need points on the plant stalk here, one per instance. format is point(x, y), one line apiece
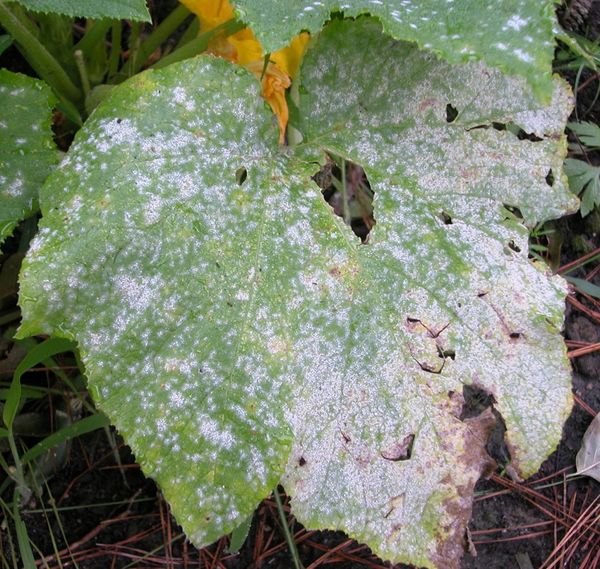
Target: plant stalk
point(286, 530)
point(162, 32)
point(199, 44)
point(190, 33)
point(345, 207)
point(115, 49)
point(85, 81)
point(95, 34)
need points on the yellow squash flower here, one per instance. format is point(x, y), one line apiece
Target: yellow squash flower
point(243, 48)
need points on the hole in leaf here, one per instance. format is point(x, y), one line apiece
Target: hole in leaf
point(446, 353)
point(240, 175)
point(301, 461)
point(550, 178)
point(451, 113)
point(347, 190)
point(512, 212)
point(445, 218)
point(402, 450)
point(477, 400)
point(514, 247)
point(432, 368)
point(522, 135)
point(515, 335)
point(511, 128)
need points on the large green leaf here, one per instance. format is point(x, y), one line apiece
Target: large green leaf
point(27, 152)
point(515, 35)
point(118, 9)
point(240, 334)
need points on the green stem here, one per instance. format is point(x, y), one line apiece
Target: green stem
point(95, 34)
point(38, 56)
point(286, 530)
point(162, 32)
point(190, 33)
point(199, 44)
point(21, 486)
point(115, 49)
point(345, 205)
point(294, 136)
point(85, 81)
point(134, 44)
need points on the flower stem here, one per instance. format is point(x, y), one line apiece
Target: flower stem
point(134, 44)
point(190, 33)
point(199, 44)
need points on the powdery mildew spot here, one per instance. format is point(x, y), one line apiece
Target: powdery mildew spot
point(238, 334)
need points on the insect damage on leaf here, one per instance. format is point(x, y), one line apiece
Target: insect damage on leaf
point(239, 334)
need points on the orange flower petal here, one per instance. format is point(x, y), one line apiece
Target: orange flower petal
point(288, 59)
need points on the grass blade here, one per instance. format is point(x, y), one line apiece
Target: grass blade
point(585, 286)
point(38, 354)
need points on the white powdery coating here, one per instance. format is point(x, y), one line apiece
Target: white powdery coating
point(252, 327)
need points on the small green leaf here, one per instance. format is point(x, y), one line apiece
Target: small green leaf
point(588, 133)
point(584, 180)
point(514, 35)
point(115, 9)
point(27, 152)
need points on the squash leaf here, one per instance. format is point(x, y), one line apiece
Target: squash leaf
point(27, 152)
point(117, 9)
point(238, 334)
point(514, 35)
